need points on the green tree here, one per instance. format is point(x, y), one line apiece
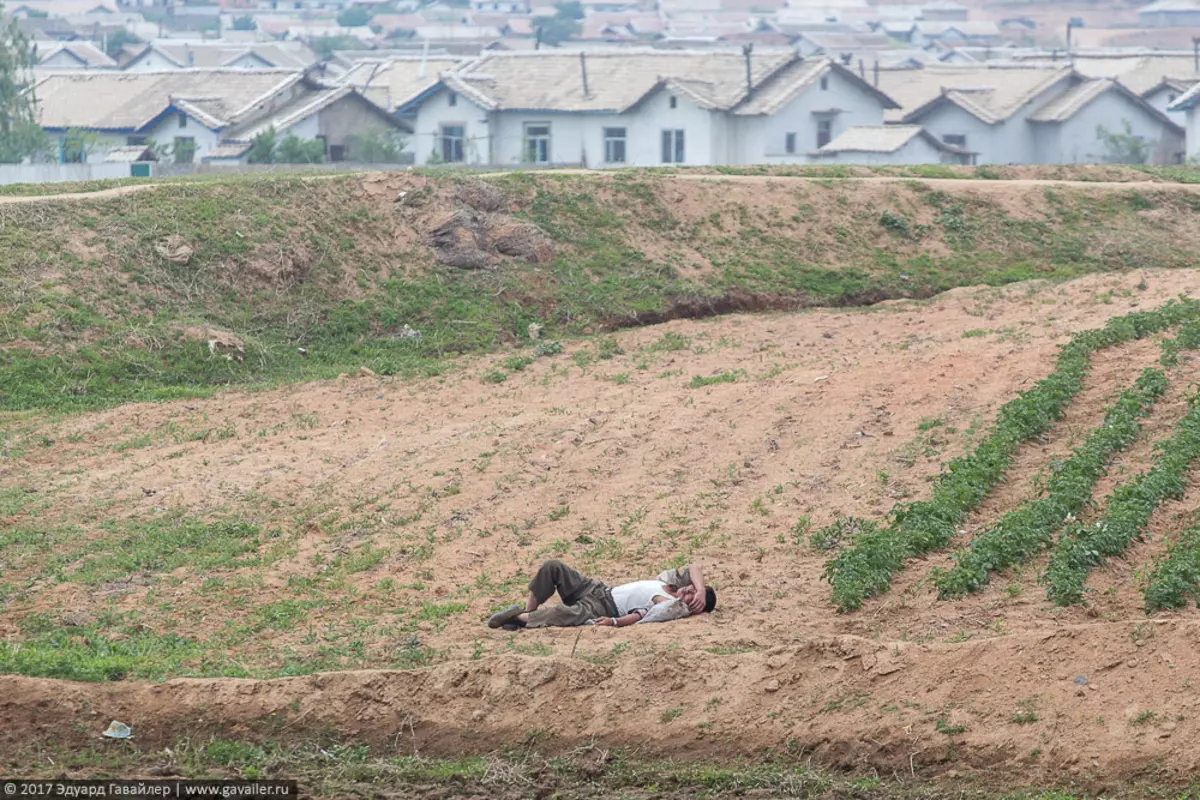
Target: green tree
point(563, 25)
point(353, 18)
point(378, 146)
point(117, 41)
point(325, 46)
point(76, 145)
point(20, 135)
point(294, 150)
point(244, 23)
point(262, 148)
point(1124, 148)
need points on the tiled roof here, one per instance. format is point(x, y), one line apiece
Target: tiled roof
point(390, 82)
point(1066, 105)
point(200, 55)
point(617, 79)
point(1139, 73)
point(872, 139)
point(883, 139)
point(104, 100)
point(989, 92)
point(86, 52)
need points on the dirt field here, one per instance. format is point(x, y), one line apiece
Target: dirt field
point(389, 519)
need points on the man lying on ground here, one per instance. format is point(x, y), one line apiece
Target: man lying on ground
point(674, 595)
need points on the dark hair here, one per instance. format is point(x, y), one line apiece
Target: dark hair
point(710, 599)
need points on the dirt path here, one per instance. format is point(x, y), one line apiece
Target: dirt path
point(986, 186)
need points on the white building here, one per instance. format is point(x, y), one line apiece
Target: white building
point(201, 115)
point(635, 107)
point(1188, 103)
point(1027, 114)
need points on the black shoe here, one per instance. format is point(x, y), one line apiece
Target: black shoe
point(513, 626)
point(508, 615)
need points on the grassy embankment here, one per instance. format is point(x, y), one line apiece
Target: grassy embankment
point(95, 315)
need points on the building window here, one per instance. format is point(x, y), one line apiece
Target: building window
point(537, 142)
point(824, 84)
point(824, 132)
point(452, 140)
point(789, 143)
point(182, 120)
point(452, 99)
point(674, 101)
point(184, 150)
point(135, 141)
point(956, 140)
point(614, 145)
point(672, 147)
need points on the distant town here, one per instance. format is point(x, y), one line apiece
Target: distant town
point(156, 88)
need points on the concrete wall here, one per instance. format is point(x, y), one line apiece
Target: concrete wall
point(1077, 142)
point(1193, 133)
point(61, 173)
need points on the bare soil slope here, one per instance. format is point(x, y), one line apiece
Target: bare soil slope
point(365, 523)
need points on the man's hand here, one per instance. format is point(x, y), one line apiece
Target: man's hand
point(696, 603)
point(607, 622)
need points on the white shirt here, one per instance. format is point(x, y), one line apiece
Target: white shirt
point(637, 596)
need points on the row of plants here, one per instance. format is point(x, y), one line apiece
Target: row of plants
point(1127, 510)
point(1187, 338)
point(866, 568)
point(1175, 578)
point(1030, 528)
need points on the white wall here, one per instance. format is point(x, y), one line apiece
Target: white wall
point(436, 111)
point(500, 137)
point(168, 128)
point(763, 139)
point(1077, 140)
point(981, 137)
point(1162, 98)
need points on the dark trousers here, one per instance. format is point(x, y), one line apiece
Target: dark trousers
point(583, 599)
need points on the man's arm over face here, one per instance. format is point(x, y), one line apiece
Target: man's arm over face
point(692, 575)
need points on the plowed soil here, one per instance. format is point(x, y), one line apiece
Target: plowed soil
point(613, 457)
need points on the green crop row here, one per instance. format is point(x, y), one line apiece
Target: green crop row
point(1188, 338)
point(1127, 510)
point(1176, 577)
point(867, 566)
point(1029, 529)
